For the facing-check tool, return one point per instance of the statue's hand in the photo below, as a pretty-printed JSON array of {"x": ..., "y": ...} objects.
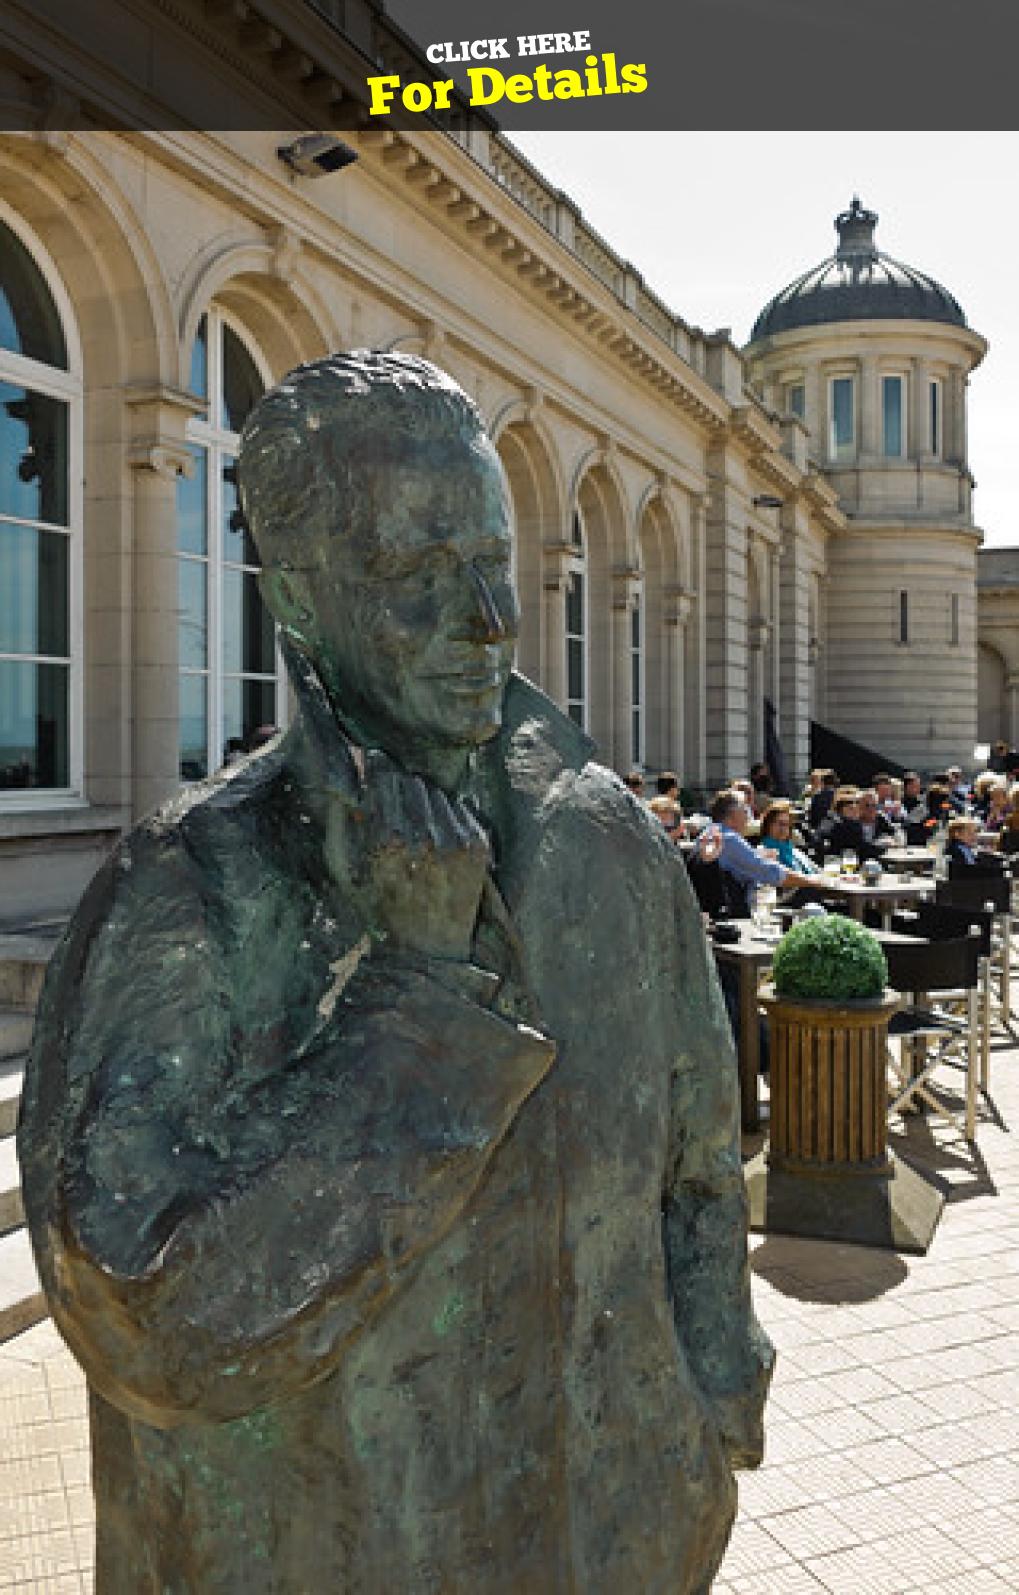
[{"x": 415, "y": 857}]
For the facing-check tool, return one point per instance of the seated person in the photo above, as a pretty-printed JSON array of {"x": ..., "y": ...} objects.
[
  {"x": 958, "y": 792},
  {"x": 665, "y": 806},
  {"x": 997, "y": 806},
  {"x": 634, "y": 782},
  {"x": 842, "y": 832},
  {"x": 777, "y": 837},
  {"x": 922, "y": 825},
  {"x": 877, "y": 827},
  {"x": 963, "y": 852},
  {"x": 822, "y": 800},
  {"x": 914, "y": 806},
  {"x": 725, "y": 840}
]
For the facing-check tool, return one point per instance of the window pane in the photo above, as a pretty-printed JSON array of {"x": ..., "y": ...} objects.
[
  {"x": 242, "y": 385},
  {"x": 192, "y": 531},
  {"x": 635, "y": 737},
  {"x": 842, "y": 412},
  {"x": 635, "y": 678},
  {"x": 891, "y": 390},
  {"x": 795, "y": 399},
  {"x": 29, "y": 323},
  {"x": 33, "y": 591},
  {"x": 248, "y": 642},
  {"x": 903, "y": 617},
  {"x": 238, "y": 547},
  {"x": 34, "y": 725},
  {"x": 194, "y": 764},
  {"x": 193, "y": 614},
  {"x": 578, "y": 530},
  {"x": 575, "y": 605},
  {"x": 248, "y": 706},
  {"x": 198, "y": 378},
  {"x": 33, "y": 455},
  {"x": 575, "y": 669}
]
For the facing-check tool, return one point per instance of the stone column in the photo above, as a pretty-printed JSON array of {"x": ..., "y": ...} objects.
[
  {"x": 758, "y": 634},
  {"x": 555, "y": 577},
  {"x": 794, "y": 647},
  {"x": 694, "y": 747},
  {"x": 158, "y": 452},
  {"x": 1012, "y": 708},
  {"x": 871, "y": 442},
  {"x": 725, "y": 595},
  {"x": 918, "y": 400},
  {"x": 678, "y": 609},
  {"x": 626, "y": 586}
]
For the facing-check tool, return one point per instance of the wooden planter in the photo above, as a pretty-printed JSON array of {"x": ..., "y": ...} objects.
[{"x": 829, "y": 1095}]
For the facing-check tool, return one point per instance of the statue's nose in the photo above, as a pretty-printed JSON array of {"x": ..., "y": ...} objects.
[{"x": 489, "y": 624}]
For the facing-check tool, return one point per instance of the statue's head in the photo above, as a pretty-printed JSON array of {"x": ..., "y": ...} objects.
[{"x": 379, "y": 508}]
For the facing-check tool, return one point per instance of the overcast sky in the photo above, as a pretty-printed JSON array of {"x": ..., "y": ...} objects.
[{"x": 718, "y": 222}]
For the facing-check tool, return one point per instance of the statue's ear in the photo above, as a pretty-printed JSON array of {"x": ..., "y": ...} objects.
[{"x": 287, "y": 594}]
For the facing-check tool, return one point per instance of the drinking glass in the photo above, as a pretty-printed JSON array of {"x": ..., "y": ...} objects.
[{"x": 849, "y": 861}]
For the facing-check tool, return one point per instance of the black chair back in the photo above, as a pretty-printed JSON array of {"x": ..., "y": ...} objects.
[
  {"x": 939, "y": 922},
  {"x": 933, "y": 965},
  {"x": 1009, "y": 842},
  {"x": 964, "y": 893}
]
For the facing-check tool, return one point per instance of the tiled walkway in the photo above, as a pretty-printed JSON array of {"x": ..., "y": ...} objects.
[{"x": 893, "y": 1437}]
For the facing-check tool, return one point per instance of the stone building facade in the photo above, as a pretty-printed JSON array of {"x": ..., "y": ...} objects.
[
  {"x": 684, "y": 550},
  {"x": 998, "y": 653},
  {"x": 876, "y": 356}
]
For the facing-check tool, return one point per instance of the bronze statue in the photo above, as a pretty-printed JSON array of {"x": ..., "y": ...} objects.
[{"x": 380, "y": 1142}]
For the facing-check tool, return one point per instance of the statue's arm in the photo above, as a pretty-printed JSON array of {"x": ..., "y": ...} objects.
[
  {"x": 705, "y": 1210},
  {"x": 215, "y": 1237}
]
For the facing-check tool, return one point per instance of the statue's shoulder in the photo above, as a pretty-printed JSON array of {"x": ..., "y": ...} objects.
[
  {"x": 179, "y": 859},
  {"x": 551, "y": 778}
]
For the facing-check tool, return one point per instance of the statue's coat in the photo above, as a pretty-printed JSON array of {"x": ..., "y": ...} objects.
[{"x": 373, "y": 1292}]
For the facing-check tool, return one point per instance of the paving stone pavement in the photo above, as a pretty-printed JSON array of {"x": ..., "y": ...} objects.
[{"x": 893, "y": 1446}]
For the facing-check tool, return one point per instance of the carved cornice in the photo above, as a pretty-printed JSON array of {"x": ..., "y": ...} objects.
[{"x": 545, "y": 270}]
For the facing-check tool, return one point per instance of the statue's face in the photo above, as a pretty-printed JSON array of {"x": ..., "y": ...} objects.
[{"x": 416, "y": 621}]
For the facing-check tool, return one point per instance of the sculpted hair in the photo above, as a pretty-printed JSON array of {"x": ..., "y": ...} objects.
[{"x": 312, "y": 447}]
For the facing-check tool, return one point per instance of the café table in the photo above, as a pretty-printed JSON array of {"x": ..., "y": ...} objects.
[
  {"x": 908, "y": 860},
  {"x": 886, "y": 894},
  {"x": 752, "y": 954}
]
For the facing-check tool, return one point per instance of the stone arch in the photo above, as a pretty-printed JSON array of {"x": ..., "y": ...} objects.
[
  {"x": 536, "y": 497},
  {"x": 992, "y": 694},
  {"x": 108, "y": 267},
  {"x": 599, "y": 497},
  {"x": 268, "y": 292}
]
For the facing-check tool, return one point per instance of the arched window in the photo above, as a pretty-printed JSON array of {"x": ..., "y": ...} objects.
[
  {"x": 576, "y": 626},
  {"x": 231, "y": 683},
  {"x": 40, "y": 529}
]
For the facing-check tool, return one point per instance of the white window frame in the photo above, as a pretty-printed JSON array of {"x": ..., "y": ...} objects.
[
  {"x": 839, "y": 455},
  {"x": 901, "y": 452},
  {"x": 68, "y": 386},
  {"x": 576, "y": 564},
  {"x": 217, "y": 441},
  {"x": 936, "y": 424}
]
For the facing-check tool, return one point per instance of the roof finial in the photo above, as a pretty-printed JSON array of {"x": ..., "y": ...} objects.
[{"x": 855, "y": 228}]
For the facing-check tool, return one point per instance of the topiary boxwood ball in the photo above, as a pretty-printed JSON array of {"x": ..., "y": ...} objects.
[{"x": 830, "y": 957}]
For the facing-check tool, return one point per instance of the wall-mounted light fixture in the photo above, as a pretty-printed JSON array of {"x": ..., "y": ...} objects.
[{"x": 316, "y": 155}]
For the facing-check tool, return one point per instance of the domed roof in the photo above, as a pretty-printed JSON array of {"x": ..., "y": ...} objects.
[{"x": 858, "y": 283}]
